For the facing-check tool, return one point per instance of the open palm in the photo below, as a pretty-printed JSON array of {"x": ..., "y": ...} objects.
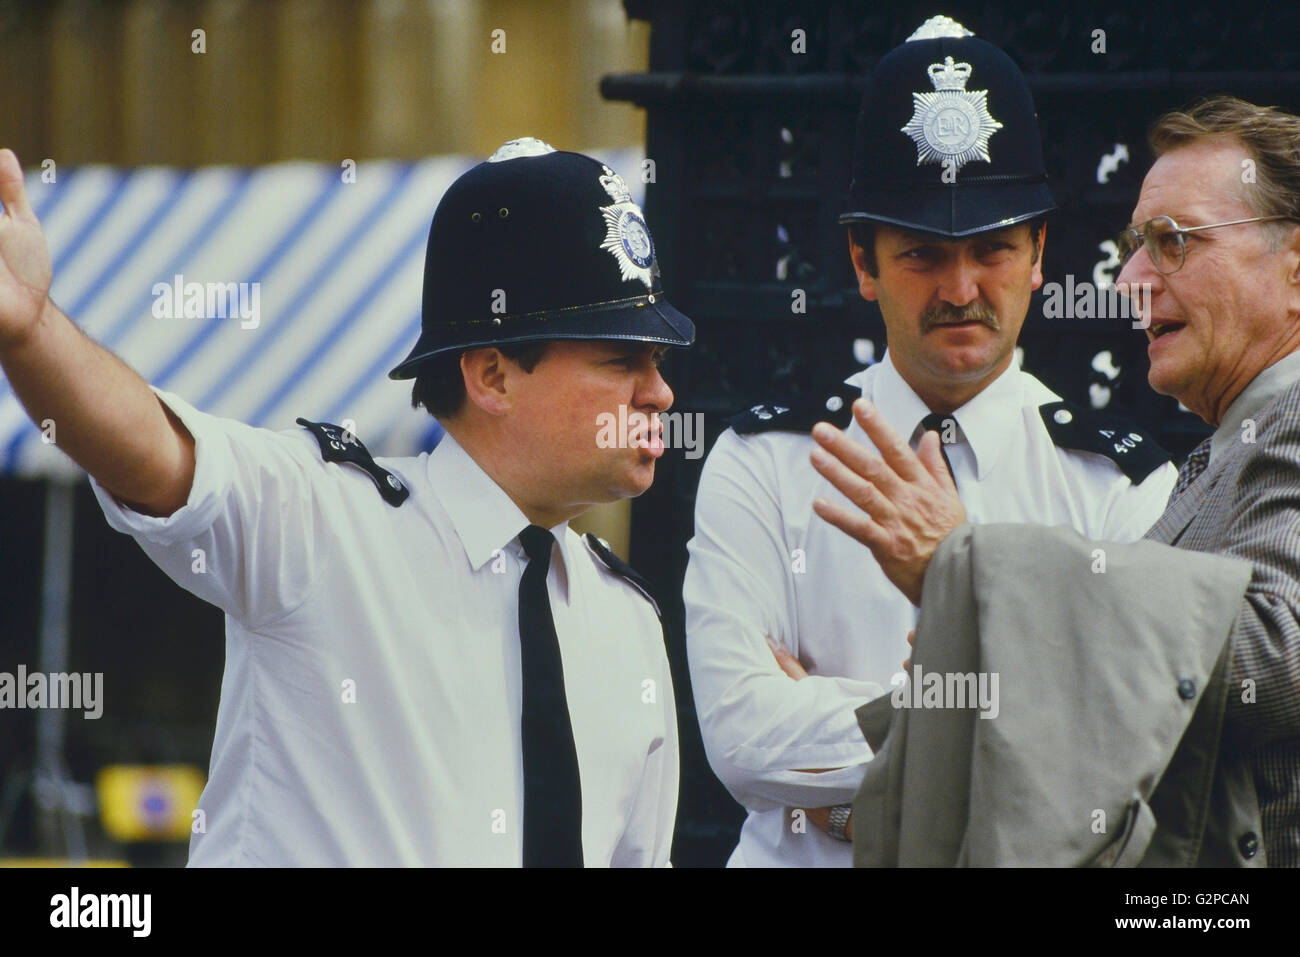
[{"x": 24, "y": 257}]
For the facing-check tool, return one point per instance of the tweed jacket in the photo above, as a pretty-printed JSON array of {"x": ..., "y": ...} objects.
[
  {"x": 1097, "y": 683},
  {"x": 1247, "y": 505}
]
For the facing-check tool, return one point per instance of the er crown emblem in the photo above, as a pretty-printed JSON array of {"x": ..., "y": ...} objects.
[
  {"x": 951, "y": 125},
  {"x": 627, "y": 238}
]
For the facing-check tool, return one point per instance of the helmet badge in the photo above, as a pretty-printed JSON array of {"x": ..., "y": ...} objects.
[
  {"x": 952, "y": 124},
  {"x": 627, "y": 237},
  {"x": 524, "y": 146}
]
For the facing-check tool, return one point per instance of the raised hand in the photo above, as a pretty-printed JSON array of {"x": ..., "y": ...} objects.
[
  {"x": 906, "y": 502},
  {"x": 25, "y": 271}
]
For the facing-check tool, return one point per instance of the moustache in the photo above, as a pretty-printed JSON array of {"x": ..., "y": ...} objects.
[{"x": 946, "y": 314}]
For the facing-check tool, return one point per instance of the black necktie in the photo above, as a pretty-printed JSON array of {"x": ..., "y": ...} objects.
[
  {"x": 934, "y": 422},
  {"x": 1192, "y": 469},
  {"x": 552, "y": 788}
]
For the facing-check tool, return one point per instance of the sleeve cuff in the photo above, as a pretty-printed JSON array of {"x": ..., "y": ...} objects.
[{"x": 211, "y": 479}]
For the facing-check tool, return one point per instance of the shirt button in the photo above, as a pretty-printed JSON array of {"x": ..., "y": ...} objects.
[
  {"x": 1187, "y": 689},
  {"x": 834, "y": 404},
  {"x": 1063, "y": 416},
  {"x": 1248, "y": 844}
]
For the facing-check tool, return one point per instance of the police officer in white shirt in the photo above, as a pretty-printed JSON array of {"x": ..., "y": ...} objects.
[
  {"x": 425, "y": 664},
  {"x": 946, "y": 234}
]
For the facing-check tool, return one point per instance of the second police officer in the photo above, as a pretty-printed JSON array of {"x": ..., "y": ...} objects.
[{"x": 791, "y": 624}]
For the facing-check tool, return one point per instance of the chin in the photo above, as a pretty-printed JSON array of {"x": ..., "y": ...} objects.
[
  {"x": 1164, "y": 381},
  {"x": 961, "y": 365},
  {"x": 641, "y": 481}
]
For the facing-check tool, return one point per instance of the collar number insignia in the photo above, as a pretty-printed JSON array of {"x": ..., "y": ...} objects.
[
  {"x": 627, "y": 238},
  {"x": 951, "y": 123}
]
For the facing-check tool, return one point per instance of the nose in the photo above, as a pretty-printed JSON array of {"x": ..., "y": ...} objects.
[
  {"x": 653, "y": 392},
  {"x": 959, "y": 283},
  {"x": 1138, "y": 272}
]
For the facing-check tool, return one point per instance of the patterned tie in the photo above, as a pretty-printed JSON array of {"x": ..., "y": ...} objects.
[
  {"x": 552, "y": 787},
  {"x": 934, "y": 422},
  {"x": 1192, "y": 469}
]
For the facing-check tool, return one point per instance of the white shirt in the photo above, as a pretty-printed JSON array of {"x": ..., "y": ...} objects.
[
  {"x": 371, "y": 700},
  {"x": 762, "y": 564},
  {"x": 1259, "y": 392}
]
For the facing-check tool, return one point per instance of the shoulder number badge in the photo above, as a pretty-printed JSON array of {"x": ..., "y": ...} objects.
[
  {"x": 951, "y": 123},
  {"x": 627, "y": 238}
]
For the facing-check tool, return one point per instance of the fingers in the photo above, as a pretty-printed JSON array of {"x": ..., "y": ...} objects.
[
  {"x": 854, "y": 523},
  {"x": 13, "y": 191},
  {"x": 930, "y": 455},
  {"x": 911, "y": 637},
  {"x": 788, "y": 662},
  {"x": 854, "y": 455},
  {"x": 861, "y": 491},
  {"x": 898, "y": 455}
]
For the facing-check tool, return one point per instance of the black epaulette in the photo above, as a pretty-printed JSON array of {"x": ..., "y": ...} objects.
[
  {"x": 1118, "y": 438},
  {"x": 339, "y": 445},
  {"x": 622, "y": 569},
  {"x": 834, "y": 406}
]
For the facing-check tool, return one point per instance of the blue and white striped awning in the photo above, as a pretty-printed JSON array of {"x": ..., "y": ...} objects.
[{"x": 339, "y": 267}]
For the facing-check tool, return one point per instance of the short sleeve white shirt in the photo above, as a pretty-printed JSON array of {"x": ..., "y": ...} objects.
[
  {"x": 763, "y": 565},
  {"x": 371, "y": 700}
]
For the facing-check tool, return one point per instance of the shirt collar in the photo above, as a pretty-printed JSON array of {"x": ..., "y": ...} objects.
[
  {"x": 1261, "y": 390},
  {"x": 484, "y": 516},
  {"x": 982, "y": 421}
]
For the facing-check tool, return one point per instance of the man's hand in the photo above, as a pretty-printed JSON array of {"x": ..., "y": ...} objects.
[
  {"x": 906, "y": 502},
  {"x": 788, "y": 662},
  {"x": 109, "y": 421},
  {"x": 790, "y": 665},
  {"x": 821, "y": 819},
  {"x": 25, "y": 271}
]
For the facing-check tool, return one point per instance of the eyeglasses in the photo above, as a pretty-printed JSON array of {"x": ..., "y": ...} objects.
[{"x": 1166, "y": 241}]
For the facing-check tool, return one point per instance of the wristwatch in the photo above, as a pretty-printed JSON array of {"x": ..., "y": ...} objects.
[{"x": 839, "y": 820}]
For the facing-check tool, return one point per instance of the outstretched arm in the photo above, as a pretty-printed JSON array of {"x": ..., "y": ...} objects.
[{"x": 106, "y": 417}]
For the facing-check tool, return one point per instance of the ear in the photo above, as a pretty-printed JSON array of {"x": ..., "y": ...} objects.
[
  {"x": 866, "y": 285},
  {"x": 1291, "y": 257},
  {"x": 1037, "y": 276},
  {"x": 1292, "y": 247},
  {"x": 486, "y": 375}
]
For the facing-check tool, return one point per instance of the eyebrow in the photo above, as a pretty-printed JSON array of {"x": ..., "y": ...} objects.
[{"x": 1179, "y": 218}]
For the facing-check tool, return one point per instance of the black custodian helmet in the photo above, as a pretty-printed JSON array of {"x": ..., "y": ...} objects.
[
  {"x": 933, "y": 156},
  {"x": 538, "y": 244}
]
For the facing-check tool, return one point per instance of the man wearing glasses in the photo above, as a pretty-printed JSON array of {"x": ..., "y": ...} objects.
[{"x": 1217, "y": 241}]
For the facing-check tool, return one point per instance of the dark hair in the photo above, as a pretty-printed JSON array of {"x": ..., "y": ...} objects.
[
  {"x": 440, "y": 386},
  {"x": 864, "y": 235}
]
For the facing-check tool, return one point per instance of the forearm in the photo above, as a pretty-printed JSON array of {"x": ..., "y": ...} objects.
[
  {"x": 765, "y": 735},
  {"x": 104, "y": 415}
]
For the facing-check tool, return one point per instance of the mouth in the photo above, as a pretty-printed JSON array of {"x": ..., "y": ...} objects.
[
  {"x": 652, "y": 444},
  {"x": 1162, "y": 328}
]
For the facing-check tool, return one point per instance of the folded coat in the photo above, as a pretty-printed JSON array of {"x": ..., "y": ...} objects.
[{"x": 1103, "y": 655}]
